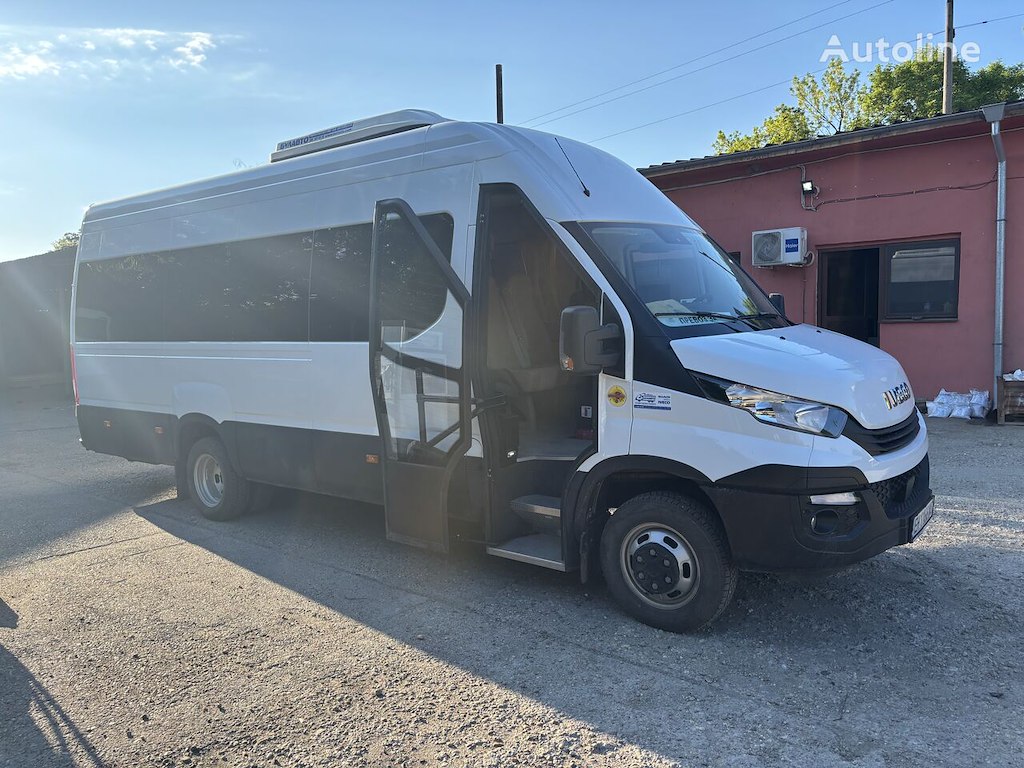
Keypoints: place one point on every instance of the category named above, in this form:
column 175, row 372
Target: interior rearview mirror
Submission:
column 584, row 345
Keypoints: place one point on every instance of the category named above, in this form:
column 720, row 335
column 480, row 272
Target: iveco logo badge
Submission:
column 896, row 395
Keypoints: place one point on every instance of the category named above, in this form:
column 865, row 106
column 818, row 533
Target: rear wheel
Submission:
column 666, row 562
column 217, row 490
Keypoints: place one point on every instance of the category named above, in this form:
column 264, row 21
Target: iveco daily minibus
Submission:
column 496, row 334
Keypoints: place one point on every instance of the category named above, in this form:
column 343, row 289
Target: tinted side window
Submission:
column 252, row 290
column 339, row 306
column 119, row 300
column 196, row 294
column 340, row 293
column 269, row 295
column 413, row 290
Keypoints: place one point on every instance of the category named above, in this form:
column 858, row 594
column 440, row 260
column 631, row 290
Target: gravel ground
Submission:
column 133, row 632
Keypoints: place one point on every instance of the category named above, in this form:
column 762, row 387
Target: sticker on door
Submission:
column 652, row 402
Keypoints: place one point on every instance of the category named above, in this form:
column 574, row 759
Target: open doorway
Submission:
column 524, row 277
column 848, row 293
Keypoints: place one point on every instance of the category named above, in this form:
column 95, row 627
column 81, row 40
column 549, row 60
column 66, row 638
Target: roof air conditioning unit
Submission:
column 777, row 247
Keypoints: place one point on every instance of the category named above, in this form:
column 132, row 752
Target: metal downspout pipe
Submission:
column 994, row 114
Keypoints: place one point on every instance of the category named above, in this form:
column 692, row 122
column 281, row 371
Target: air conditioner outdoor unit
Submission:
column 775, row 247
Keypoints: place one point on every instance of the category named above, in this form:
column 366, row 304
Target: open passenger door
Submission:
column 418, row 373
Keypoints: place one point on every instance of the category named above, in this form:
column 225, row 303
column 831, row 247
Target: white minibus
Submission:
column 498, row 335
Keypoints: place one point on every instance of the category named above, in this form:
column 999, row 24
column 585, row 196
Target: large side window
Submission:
column 268, row 298
column 340, row 291
column 119, row 300
column 339, row 302
column 920, row 281
column 251, row 290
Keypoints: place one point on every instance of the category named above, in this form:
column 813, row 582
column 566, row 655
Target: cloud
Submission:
column 21, row 64
column 82, row 52
column 192, row 53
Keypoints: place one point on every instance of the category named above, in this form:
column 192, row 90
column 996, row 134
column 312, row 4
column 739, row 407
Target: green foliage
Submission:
column 894, row 93
column 67, row 240
column 785, row 124
column 829, row 105
column 913, row 89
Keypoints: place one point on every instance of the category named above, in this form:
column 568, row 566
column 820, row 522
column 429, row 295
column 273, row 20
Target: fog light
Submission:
column 836, row 499
column 825, row 522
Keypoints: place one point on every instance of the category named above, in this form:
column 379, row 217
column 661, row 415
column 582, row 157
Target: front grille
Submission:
column 886, row 439
column 902, row 494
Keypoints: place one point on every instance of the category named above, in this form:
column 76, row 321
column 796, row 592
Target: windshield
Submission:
column 681, row 275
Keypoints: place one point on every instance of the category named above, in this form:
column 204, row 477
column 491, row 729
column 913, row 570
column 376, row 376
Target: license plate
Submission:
column 920, row 520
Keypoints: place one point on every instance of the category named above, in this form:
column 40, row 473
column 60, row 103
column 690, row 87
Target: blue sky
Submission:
column 103, row 100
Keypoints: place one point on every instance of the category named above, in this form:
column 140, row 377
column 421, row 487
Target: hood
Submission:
column 806, row 362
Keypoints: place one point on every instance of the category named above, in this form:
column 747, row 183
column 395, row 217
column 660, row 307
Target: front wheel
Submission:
column 666, row 562
column 217, row 490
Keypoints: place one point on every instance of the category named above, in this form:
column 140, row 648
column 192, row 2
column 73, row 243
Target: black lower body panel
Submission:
column 783, row 531
column 334, row 463
column 136, row 435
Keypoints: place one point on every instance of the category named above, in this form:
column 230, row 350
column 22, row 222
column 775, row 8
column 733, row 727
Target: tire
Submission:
column 666, row 562
column 218, row 492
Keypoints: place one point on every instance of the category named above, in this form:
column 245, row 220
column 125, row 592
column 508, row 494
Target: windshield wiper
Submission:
column 758, row 315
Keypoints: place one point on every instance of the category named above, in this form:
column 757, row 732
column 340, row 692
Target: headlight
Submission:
column 775, row 408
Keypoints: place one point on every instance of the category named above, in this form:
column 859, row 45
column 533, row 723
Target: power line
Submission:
column 698, row 109
column 712, row 64
column 685, row 63
column 774, row 85
column 958, row 27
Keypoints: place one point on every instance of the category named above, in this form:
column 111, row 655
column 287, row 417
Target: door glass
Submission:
column 421, row 326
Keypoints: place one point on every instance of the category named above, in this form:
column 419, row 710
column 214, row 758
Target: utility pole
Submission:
column 947, row 62
column 499, row 95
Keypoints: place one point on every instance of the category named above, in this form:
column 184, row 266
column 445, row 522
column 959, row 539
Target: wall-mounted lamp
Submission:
column 808, row 192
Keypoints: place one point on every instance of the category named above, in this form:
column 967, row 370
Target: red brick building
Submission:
column 901, row 235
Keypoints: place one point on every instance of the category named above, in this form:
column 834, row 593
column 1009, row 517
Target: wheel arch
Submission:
column 615, row 480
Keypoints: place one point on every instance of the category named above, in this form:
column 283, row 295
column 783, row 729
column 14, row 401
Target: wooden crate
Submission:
column 1009, row 400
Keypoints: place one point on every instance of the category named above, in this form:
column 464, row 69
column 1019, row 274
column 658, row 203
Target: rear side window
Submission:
column 119, row 300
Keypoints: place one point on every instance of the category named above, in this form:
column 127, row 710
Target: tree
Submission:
column 786, row 124
column 912, row 89
column 828, row 105
column 67, row 240
column 832, row 104
column 894, row 93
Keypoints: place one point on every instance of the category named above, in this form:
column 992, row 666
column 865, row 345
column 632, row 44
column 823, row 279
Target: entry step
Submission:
column 541, row 549
column 541, row 513
column 535, row 504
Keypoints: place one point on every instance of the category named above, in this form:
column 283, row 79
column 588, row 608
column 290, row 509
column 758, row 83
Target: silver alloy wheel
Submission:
column 659, row 566
column 208, row 480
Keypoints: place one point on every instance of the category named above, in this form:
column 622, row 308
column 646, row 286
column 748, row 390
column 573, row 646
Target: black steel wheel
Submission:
column 666, row 561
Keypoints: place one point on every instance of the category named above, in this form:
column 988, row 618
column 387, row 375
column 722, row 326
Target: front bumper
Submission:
column 771, row 524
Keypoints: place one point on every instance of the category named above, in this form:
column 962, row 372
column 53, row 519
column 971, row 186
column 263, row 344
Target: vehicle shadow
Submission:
column 58, row 511
column 847, row 644
column 36, row 731
column 8, row 618
column 50, row 487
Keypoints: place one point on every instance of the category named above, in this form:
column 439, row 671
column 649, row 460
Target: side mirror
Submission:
column 779, row 302
column 584, row 345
